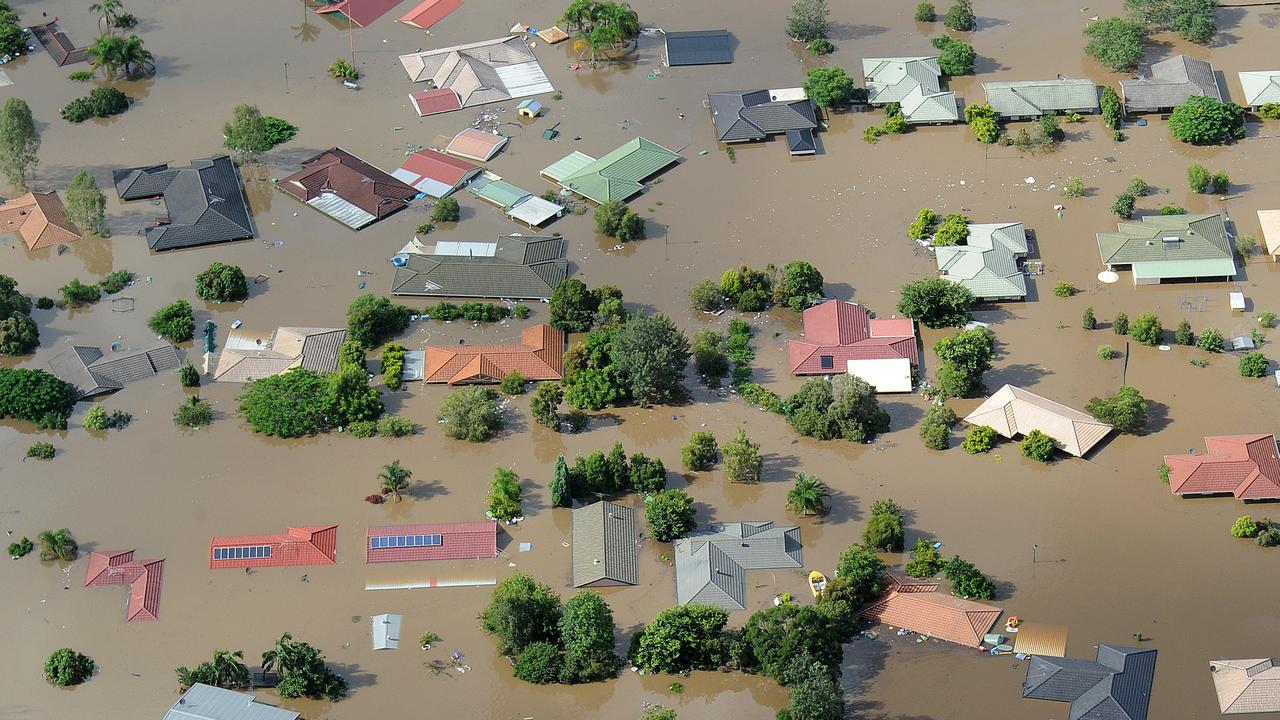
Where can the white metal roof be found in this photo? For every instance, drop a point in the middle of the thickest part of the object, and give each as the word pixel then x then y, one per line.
pixel 533 210
pixel 465 249
pixel 386 631
pixel 886 375
pixel 205 702
pixel 344 212
pixel 522 79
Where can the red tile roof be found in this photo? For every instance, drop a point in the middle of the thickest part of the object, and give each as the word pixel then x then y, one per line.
pixel 845 331
pixel 362 13
pixel 433 102
pixel 143 578
pixel 316 545
pixel 429 13
pixel 350 178
pixel 539 356
pixel 1247 466
pixel 919 606
pixel 459 541
pixel 439 167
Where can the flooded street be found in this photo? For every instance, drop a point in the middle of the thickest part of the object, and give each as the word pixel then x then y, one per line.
pixel 1118 553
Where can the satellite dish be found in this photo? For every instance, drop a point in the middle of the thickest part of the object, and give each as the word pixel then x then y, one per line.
pixel 1108 276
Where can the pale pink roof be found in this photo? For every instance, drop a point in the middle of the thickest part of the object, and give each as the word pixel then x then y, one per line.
pixel 1246 686
pixel 1014 411
pixel 844 331
pixel 920 607
pixel 1270 222
pixel 143 578
pixel 475 145
pixel 1246 466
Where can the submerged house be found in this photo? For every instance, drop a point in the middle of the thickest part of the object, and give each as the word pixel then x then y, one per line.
pixel 516 203
pixel 1246 466
pixel 538 356
pixel 1170 84
pixel 915 84
pixel 842 336
pixel 206 702
pixel 204 202
pixel 92 372
pixel 1260 87
pixel 712 563
pixel 753 115
pixel 1013 411
pixel 515 266
pixel 616 176
pixel 361 13
pixel 435 174
pixel 1116 686
pixel 476 145
pixel 348 189
pixel 251 355
pixel 445 541
pixel 1269 221
pixel 39 220
pixel 144 578
pixel 605 542
pixel 1031 99
pixel 698 47
pixel 1171 248
pixel 1246 686
pixel 989 264
pixel 920 606
pixel 315 545
pixel 477 73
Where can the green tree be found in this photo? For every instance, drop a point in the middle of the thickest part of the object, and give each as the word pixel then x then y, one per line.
pixel 573 306
pixel 829 86
pixel 815 695
pixel 982 120
pixel 709 359
pixel 1147 330
pixel 86 205
pixel 1087 320
pixel 559 487
pixel 686 637
pixel 936 302
pixel 1191 19
pixel 701 452
pixel 1123 205
pixel 922 227
pixel 471 414
pixel 19 141
pixel 1182 335
pixel 540 663
pixel 1203 120
pixel 394 479
pixel 966 581
pixel 1120 325
pixel 1112 108
pixel 372 319
pixel 885 531
pixel 616 220
pixel 935 430
pixel 222 283
pixel 278 131
pixel 446 210
pixel 650 353
pixel 956 57
pixel 350 399
pixel 801 286
pixel 66 667
pixel 742 461
pixel 1115 42
pixel 522 612
pixel 670 514
pixel 954 230
pixel 1038 446
pixel 174 321
pixel 350 354
pixel 925 12
pixel 646 474
pixel 292 404
pixel 513 383
pixel 1106 352
pixel 981 439
pixel 808 495
pixel 926 561
pixel 545 403
pixel 1254 364
pixel 1210 340
pixel 58 545
pixel 808 20
pixel 859 577
pixel 36 397
pixel 19 335
pixel 505 495
pixel 226 670
pixel 705 296
pixel 342 70
pixel 778 635
pixel 1125 410
pixel 13 38
pixel 960 18
pixel 1245 527
pixel 303 672
pixel 246 134
pixel 76 294
pixel 1220 183
pixel 586 628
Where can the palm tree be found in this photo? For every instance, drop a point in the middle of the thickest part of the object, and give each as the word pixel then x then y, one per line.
pixel 280 657
pixel 808 495
pixel 229 671
pixel 621 18
pixel 110 10
pixel 105 54
pixel 58 545
pixel 134 58
pixel 395 479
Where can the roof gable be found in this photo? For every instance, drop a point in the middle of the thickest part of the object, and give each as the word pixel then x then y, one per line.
pixel 1013 411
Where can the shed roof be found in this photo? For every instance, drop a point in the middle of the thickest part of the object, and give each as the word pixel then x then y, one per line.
pixel 712 563
pixel 39 220
pixel 1170 83
pixel 1117 686
pixel 605 545
pixel 385 629
pixel 1041 97
pixel 1013 411
pixel 617 175
pixel 362 13
pixel 1269 220
pixel 844 331
pixel 92 372
pixel 1246 686
pixel 522 267
pixel 1041 639
pixel 755 114
pixel 533 210
pixel 205 702
pixel 476 145
pixel 1171 246
pixel 205 202
pixel 1260 87
pixel 144 578
pixel 429 13
pixel 1247 466
pixel 988 264
pixel 434 173
pixel 312 545
pixel 458 541
pixel 348 189
pixel 538 356
pixel 918 606
pixel 501 193
pixel 699 47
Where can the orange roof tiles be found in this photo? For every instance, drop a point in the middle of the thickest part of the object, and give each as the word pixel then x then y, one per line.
pixel 919 606
pixel 316 545
pixel 538 356
pixel 143 578
pixel 429 13
pixel 1246 466
pixel 39 219
pixel 841 331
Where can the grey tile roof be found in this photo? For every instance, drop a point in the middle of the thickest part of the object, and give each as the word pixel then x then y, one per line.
pixel 522 267
pixel 699 47
pixel 753 115
pixel 801 142
pixel 1171 82
pixel 322 348
pixel 1040 97
pixel 205 702
pixel 711 564
pixel 1117 686
pixel 93 373
pixel 605 541
pixel 205 202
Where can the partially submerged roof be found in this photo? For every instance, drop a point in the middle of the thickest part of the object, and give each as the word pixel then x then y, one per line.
pixel 553 35
pixel 1247 466
pixel 919 606
pixel 1171 246
pixel 250 355
pixel 92 372
pixel 712 563
pixel 1260 87
pixel 1171 83
pixel 1041 97
pixel 435 174
pixel 313 545
pixel 1246 686
pixel 755 114
pixel 362 13
pixel 518 267
pixel 385 629
pixel 429 13
pixel 1041 639
pixel 1014 411
pixel 699 47
pixel 913 83
pixel 435 101
pixel 205 202
pixel 348 189
pixel 619 174
pixel 1269 220
pixel 205 702
pixel 538 356
pixel 836 332
pixel 143 577
pixel 500 193
pixel 476 144
pixel 988 263
pixel 482 72
pixel 440 541
pixel 39 220
pixel 533 210
pixel 1117 686
pixel 605 543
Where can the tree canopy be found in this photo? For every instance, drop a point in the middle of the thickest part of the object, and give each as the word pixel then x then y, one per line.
pixel 808 20
pixel 292 404
pixel 1193 20
pixel 303 671
pixel 372 319
pixel 829 86
pixel 1115 42
pixel 19 139
pixel 1125 410
pixel 174 322
pixel 846 407
pixel 686 637
pixel 1202 120
pixel 936 302
pixel 86 205
pixel 801 286
pixel 521 611
pixel 471 414
pixel 246 134
pixel 670 514
pixel 650 353
pixel 35 396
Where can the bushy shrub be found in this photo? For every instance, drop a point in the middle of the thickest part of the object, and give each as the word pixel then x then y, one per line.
pixel 363 429
pixel 706 296
pixel 1202 120
pixel 1245 527
pixel 116 281
pixel 1148 330
pixel 926 561
pixel 1198 178
pixel 1116 43
pixel 1112 108
pixel 980 439
pixel 41 451
pixel 701 452
pixel 1120 325
pixel 953 230
pixel 393 426
pixel 885 529
pixel 471 414
pixel 670 514
pixel 1074 188
pixel 1106 352
pixel 540 663
pixel 925 12
pixel 174 322
pixel 1220 182
pixel 1124 204
pixel 76 294
pixel 513 383
pixel 1254 364
pixel 966 581
pixel 342 70
pixel 1064 289
pixel 195 413
pixel 1182 335
pixel 960 17
pixel 1210 340
pixel 1038 446
pixel 66 667
pixel 955 57
pixel 1125 409
pixel 221 283
pixel 922 226
pixel 278 131
pixel 982 120
pixel 821 46
pixel 1087 319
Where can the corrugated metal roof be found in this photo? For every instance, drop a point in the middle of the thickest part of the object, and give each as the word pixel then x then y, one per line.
pixel 605 543
pixel 533 210
pixel 921 108
pixel 502 193
pixel 1041 639
pixel 1040 97
pixel 699 47
pixel 567 165
pixel 1013 411
pixel 711 563
pixel 482 72
pixel 1186 240
pixel 205 702
pixel 617 175
pixel 385 629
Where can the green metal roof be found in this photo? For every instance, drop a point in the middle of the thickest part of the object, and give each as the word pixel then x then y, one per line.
pixel 1038 97
pixel 1173 269
pixel 988 264
pixel 567 165
pixel 617 175
pixel 1169 239
pixel 501 192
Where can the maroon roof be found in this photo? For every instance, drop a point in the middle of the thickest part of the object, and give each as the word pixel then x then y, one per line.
pixel 352 179
pixel 1246 466
pixel 845 331
pixel 433 102
pixel 362 13
pixel 458 541
pixel 299 546
pixel 143 578
pixel 439 167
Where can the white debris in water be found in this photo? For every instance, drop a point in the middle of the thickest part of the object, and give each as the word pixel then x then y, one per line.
pixel 1029 180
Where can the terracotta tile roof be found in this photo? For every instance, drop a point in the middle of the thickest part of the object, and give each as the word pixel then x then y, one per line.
pixel 1246 686
pixel 919 607
pixel 429 13
pixel 1247 466
pixel 315 545
pixel 143 578
pixel 39 220
pixel 1014 411
pixel 458 541
pixel 845 331
pixel 538 356
pixel 338 172
pixel 476 145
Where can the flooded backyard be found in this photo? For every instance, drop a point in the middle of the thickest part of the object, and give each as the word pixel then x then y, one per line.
pixel 1118 554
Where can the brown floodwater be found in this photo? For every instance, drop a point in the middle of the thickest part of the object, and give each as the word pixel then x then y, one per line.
pixel 1118 554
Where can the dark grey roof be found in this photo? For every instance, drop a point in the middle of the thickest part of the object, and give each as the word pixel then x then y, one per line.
pixel 1117 686
pixel 699 47
pixel 93 373
pixel 605 543
pixel 753 115
pixel 522 267
pixel 801 142
pixel 321 351
pixel 711 564
pixel 205 201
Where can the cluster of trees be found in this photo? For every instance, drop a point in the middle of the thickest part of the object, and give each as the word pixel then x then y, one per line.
pixel 471 414
pixel 846 408
pixel 474 311
pixel 19 334
pixel 372 319
pixel 935 429
pixel 97 419
pixel 226 670
pixel 174 322
pixel 575 308
pixel 797 286
pixel 1202 181
pixel 386 426
pixel 1265 532
pixel 551 642
pixel 601 25
pixel 925 561
pixel 614 219
pixel 965 357
pixel 1125 409
pixel 37 397
pixel 1115 42
pixel 1193 20
pixel 955 57
pixel 303 671
pixel 886 529
pixel 250 133
pixel 982 120
pixel 118 56
pixel 1044 135
pixel 643 359
pixel 936 302
pixel 19 138
pixel 100 102
pixel 953 229
pixel 1202 120
pixel 12 39
pixel 606 474
pixel 303 402
pixel 967 581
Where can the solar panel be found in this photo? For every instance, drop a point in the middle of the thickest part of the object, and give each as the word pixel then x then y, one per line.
pixel 398 541
pixel 242 552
